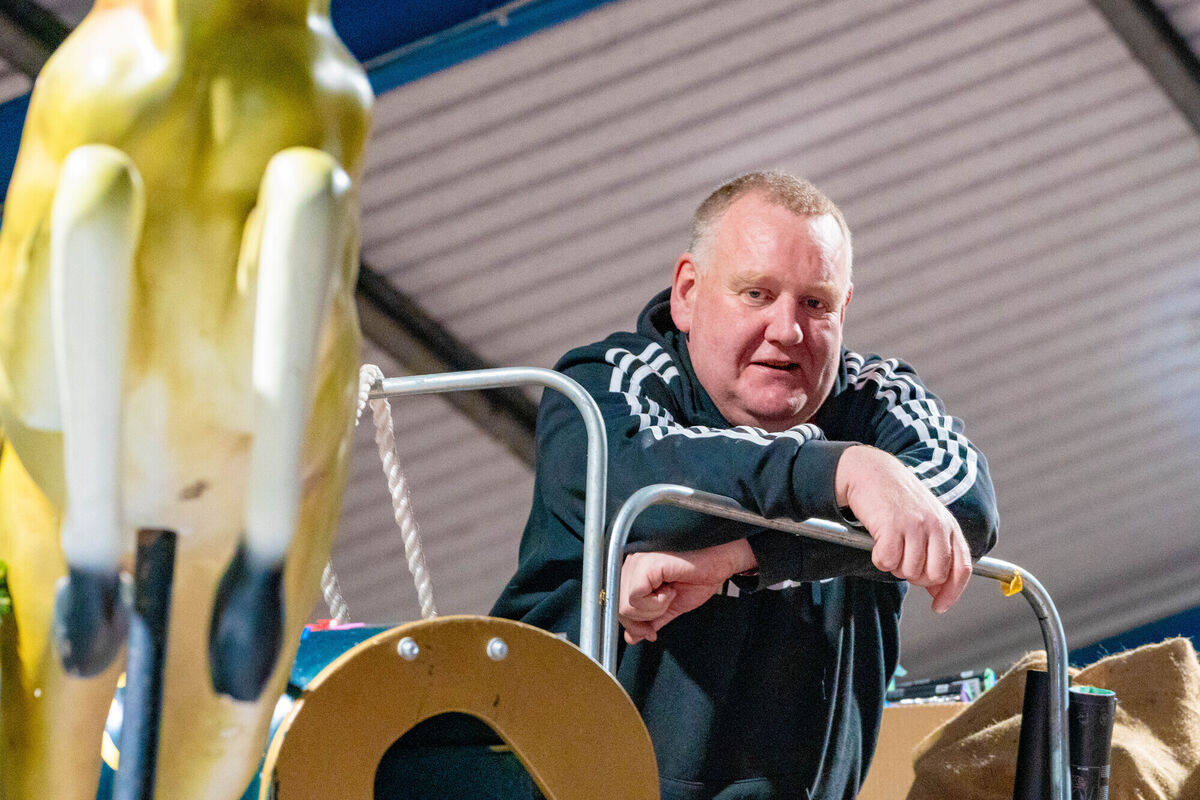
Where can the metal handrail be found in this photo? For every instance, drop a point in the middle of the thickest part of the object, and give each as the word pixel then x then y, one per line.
pixel 683 497
pixel 595 480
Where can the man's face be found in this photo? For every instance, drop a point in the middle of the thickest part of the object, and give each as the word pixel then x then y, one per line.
pixel 764 318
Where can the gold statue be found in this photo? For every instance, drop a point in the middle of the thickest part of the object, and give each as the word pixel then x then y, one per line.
pixel 178 349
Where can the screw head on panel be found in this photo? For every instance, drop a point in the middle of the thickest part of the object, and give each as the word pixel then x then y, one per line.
pixel 408 649
pixel 497 649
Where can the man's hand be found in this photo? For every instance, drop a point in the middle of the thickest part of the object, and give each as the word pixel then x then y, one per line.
pixel 916 538
pixel 658 587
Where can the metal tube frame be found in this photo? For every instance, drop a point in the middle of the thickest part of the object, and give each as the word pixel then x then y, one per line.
pixel 595 481
pixel 154 576
pixel 1035 594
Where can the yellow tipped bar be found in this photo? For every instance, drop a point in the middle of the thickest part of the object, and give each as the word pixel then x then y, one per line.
pixel 1013 585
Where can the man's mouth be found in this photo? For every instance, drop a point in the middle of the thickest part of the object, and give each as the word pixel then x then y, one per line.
pixel 782 366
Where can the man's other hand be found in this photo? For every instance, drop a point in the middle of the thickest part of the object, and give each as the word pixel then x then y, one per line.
pixel 658 587
pixel 916 538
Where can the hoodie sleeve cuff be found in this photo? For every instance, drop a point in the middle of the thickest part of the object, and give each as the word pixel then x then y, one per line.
pixel 814 475
pixel 780 555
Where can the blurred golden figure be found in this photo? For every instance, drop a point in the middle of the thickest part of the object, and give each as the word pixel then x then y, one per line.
pixel 178 349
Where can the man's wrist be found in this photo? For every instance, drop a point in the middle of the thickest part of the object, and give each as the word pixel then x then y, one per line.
pixel 742 558
pixel 852 460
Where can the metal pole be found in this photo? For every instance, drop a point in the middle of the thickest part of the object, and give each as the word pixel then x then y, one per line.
pixel 596 480
pixel 154 572
pixel 1035 594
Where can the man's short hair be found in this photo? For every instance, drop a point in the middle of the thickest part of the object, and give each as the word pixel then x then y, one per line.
pixel 795 194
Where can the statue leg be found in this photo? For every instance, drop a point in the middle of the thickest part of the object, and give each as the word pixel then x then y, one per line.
pixel 210 743
pixel 304 216
pixel 95 224
pixel 50 722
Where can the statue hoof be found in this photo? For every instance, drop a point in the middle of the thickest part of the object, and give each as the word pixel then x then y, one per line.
pixel 91 620
pixel 247 627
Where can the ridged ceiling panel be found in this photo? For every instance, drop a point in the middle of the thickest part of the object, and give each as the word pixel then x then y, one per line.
pixel 1185 18
pixel 13 83
pixel 71 12
pixel 1023 197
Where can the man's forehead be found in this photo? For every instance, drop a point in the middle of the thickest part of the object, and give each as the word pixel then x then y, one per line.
pixel 751 215
pixel 828 233
pixel 756 224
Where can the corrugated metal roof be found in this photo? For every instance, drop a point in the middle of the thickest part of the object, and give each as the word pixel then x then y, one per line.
pixel 1185 18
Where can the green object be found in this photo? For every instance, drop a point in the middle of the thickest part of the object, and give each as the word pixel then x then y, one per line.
pixel 5 597
pixel 1091 690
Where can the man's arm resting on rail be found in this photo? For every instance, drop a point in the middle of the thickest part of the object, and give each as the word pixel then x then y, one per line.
pixel 658 587
pixel 916 539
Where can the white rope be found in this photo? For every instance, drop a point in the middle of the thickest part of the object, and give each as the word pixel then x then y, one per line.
pixel 385 439
pixel 338 611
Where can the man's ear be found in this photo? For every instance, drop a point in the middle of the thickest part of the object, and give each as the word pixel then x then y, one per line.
pixel 849 294
pixel 683 289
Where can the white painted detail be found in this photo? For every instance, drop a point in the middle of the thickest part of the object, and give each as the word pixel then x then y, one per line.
pixel 303 207
pixel 95 226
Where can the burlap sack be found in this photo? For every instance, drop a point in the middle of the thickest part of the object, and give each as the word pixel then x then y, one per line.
pixel 1156 732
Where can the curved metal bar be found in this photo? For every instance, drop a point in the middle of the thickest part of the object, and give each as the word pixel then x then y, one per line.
pixel 1058 680
pixel 695 500
pixel 595 482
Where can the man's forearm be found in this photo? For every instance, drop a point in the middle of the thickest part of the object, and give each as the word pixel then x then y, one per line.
pixel 657 587
pixel 916 537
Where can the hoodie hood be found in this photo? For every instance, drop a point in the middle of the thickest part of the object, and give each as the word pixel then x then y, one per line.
pixel 655 323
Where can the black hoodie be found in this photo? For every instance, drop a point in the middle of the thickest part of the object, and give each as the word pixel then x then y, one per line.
pixel 774 689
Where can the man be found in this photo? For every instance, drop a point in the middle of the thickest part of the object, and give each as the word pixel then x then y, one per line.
pixel 758 659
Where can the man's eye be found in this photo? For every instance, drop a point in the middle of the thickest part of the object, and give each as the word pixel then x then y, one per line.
pixel 755 294
pixel 815 304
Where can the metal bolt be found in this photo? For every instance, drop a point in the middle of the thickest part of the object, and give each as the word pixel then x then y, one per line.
pixel 408 649
pixel 497 649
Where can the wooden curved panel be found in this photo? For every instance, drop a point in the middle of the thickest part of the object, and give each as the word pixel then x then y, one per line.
pixel 572 726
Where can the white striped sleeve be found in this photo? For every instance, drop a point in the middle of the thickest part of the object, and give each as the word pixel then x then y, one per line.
pixel 948 465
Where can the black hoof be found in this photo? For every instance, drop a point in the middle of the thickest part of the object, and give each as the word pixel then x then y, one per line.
pixel 247 627
pixel 91 620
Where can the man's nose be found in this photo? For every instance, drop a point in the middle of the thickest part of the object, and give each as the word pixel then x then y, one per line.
pixel 783 326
